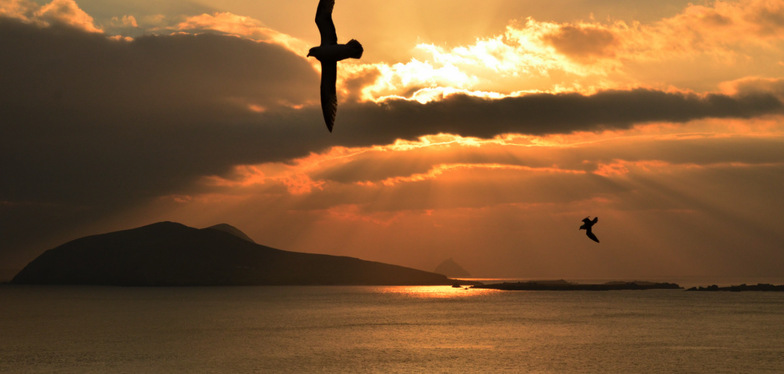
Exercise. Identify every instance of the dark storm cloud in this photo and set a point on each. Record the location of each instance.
(89, 125)
(90, 115)
(66, 69)
(541, 114)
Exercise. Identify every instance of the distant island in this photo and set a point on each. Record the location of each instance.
(450, 268)
(172, 254)
(740, 288)
(562, 285)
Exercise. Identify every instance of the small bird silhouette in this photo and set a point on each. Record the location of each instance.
(587, 225)
(329, 53)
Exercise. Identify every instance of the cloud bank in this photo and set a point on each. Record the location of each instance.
(162, 110)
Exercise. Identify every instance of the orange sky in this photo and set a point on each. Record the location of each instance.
(481, 134)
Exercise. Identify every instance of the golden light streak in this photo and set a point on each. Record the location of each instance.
(297, 176)
(426, 95)
(624, 167)
(242, 26)
(437, 292)
(431, 141)
(439, 170)
(294, 176)
(257, 108)
(354, 213)
(300, 184)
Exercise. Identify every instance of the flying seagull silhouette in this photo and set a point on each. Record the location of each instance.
(329, 53)
(587, 224)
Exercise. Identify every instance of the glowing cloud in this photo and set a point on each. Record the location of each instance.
(589, 56)
(124, 21)
(439, 170)
(65, 12)
(18, 9)
(246, 27)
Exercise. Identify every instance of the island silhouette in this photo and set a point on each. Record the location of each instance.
(450, 268)
(172, 254)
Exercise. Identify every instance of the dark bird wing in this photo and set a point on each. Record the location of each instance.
(591, 235)
(595, 219)
(329, 97)
(324, 22)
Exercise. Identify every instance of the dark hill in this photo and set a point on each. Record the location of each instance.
(171, 254)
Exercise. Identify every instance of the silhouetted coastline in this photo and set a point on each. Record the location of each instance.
(561, 285)
(741, 287)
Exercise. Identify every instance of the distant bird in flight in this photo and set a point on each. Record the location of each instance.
(587, 224)
(329, 53)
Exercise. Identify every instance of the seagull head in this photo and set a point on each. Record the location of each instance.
(356, 48)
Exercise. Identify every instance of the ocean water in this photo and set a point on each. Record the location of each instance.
(386, 330)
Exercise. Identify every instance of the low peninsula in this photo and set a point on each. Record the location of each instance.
(172, 254)
(741, 288)
(561, 285)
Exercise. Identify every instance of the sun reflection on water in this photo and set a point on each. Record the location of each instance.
(437, 292)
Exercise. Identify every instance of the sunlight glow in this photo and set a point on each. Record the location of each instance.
(213, 115)
(586, 56)
(439, 170)
(242, 26)
(298, 176)
(451, 194)
(437, 292)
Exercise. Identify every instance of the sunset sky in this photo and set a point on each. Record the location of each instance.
(483, 133)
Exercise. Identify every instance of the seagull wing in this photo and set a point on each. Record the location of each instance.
(591, 235)
(595, 219)
(324, 22)
(329, 97)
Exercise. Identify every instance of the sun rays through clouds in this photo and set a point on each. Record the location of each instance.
(479, 134)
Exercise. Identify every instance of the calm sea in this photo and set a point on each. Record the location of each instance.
(386, 330)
